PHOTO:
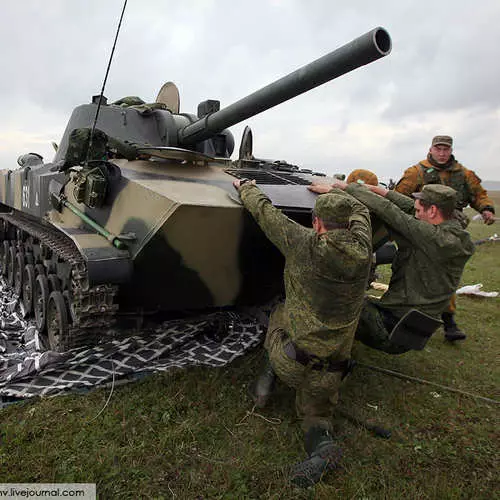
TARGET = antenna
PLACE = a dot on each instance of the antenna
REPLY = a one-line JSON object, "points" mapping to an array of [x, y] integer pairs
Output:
{"points": [[104, 84]]}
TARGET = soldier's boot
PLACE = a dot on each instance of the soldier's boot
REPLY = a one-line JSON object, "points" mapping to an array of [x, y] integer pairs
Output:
{"points": [[323, 455], [451, 330], [262, 387]]}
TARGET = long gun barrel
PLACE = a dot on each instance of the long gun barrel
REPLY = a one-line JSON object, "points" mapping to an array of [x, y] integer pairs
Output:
{"points": [[360, 51]]}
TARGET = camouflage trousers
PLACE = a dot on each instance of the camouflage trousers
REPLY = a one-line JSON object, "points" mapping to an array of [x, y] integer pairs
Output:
{"points": [[374, 328], [316, 391]]}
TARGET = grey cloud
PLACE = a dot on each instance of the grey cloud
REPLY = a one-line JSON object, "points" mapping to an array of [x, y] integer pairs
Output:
{"points": [[443, 65]]}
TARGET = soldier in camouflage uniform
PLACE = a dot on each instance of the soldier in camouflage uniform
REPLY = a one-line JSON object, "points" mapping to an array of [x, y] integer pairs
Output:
{"points": [[432, 251], [310, 335], [440, 167], [383, 249]]}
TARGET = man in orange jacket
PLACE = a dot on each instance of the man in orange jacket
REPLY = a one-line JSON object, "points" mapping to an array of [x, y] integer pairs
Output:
{"points": [[440, 167]]}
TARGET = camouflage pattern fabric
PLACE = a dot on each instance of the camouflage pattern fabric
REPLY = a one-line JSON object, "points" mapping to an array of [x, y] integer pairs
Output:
{"points": [[334, 208], [130, 100], [140, 105], [444, 197], [464, 181], [325, 278], [146, 109], [430, 258], [380, 234], [379, 231], [78, 145], [101, 146], [316, 391], [462, 218], [123, 149], [325, 275]]}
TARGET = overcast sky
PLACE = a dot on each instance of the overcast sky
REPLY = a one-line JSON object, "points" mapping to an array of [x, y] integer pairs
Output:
{"points": [[442, 76]]}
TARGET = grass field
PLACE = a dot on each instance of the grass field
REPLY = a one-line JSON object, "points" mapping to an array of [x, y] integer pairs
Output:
{"points": [[192, 434]]}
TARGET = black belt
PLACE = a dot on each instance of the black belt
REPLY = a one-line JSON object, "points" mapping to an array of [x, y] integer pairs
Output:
{"points": [[315, 363]]}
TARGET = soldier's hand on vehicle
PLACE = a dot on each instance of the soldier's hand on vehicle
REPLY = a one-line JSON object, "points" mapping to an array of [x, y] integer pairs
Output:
{"points": [[488, 216], [239, 182], [340, 185], [320, 188], [380, 190]]}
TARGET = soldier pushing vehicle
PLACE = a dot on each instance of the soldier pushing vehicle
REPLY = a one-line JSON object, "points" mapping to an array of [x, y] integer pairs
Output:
{"points": [[433, 249], [310, 335]]}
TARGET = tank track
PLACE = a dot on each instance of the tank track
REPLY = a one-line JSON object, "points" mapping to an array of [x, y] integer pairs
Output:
{"points": [[91, 310]]}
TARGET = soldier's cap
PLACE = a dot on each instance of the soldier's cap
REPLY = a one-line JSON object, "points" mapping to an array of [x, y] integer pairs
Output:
{"points": [[363, 177], [333, 207], [444, 197], [442, 140]]}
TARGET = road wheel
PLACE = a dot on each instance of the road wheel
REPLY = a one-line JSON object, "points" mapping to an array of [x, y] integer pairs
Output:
{"points": [[18, 274], [28, 288], [5, 257], [11, 265], [40, 301], [57, 321], [69, 305]]}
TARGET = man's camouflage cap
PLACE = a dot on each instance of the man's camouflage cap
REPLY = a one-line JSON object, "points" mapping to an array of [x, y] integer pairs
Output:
{"points": [[443, 140], [444, 197], [365, 176], [332, 207]]}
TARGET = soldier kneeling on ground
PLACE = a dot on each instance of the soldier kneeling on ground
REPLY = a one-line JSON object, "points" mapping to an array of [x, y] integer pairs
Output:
{"points": [[310, 335]]}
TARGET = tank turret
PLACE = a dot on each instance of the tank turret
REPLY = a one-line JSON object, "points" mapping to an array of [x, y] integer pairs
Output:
{"points": [[155, 125]]}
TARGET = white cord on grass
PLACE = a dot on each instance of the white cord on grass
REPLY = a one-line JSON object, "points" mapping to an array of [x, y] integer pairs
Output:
{"points": [[110, 394]]}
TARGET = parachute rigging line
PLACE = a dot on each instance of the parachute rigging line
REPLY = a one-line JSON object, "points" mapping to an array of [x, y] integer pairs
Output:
{"points": [[403, 376], [104, 83]]}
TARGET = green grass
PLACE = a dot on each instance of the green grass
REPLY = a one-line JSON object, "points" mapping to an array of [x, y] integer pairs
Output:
{"points": [[192, 434]]}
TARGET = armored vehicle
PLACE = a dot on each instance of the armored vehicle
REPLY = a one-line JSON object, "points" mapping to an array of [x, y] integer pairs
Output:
{"points": [[137, 211]]}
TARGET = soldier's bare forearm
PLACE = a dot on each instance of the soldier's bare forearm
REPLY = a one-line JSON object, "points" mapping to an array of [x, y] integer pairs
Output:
{"points": [[380, 190]]}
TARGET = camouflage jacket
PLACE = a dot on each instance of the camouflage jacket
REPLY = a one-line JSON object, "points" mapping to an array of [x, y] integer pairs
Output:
{"points": [[325, 275], [464, 181], [430, 258]]}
